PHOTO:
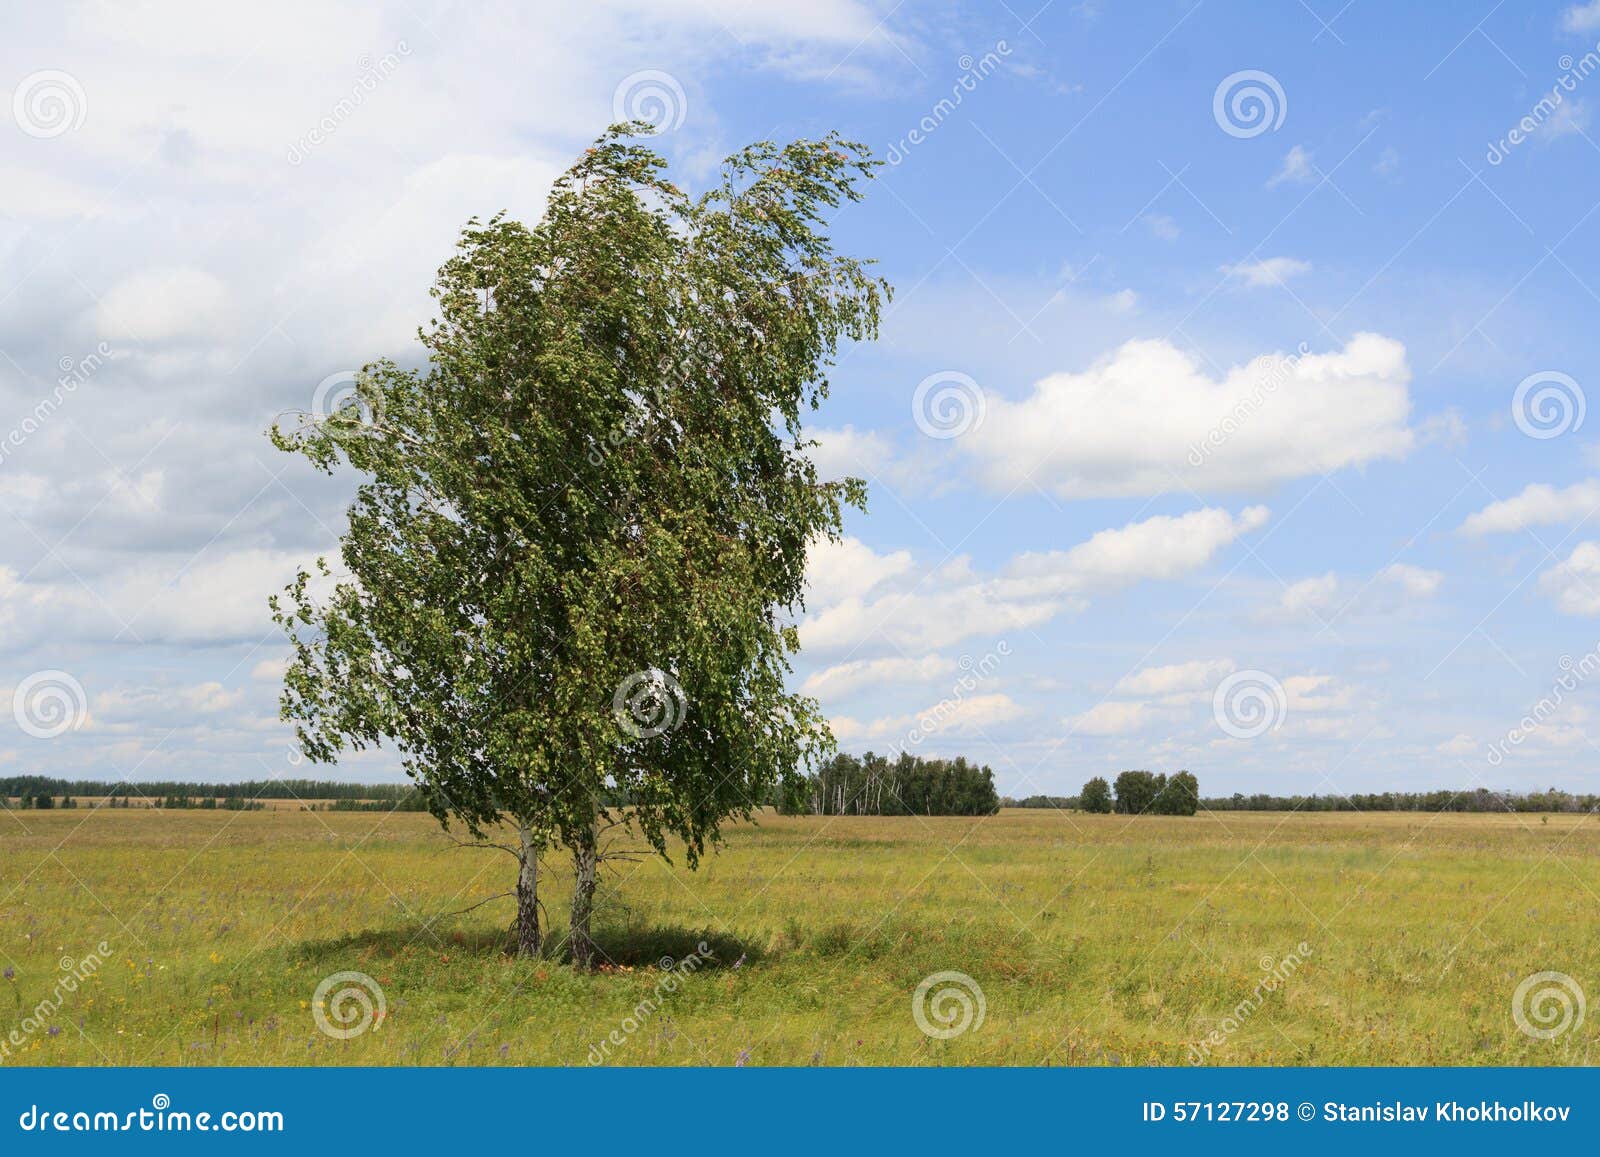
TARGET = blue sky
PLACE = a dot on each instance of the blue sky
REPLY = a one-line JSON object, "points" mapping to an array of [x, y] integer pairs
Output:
{"points": [[1100, 260]]}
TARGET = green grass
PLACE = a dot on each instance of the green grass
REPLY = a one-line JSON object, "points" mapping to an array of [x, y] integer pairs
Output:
{"points": [[1095, 940]]}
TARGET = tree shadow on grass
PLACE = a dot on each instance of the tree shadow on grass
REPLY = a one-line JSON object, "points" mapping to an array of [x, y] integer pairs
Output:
{"points": [[637, 945], [623, 945]]}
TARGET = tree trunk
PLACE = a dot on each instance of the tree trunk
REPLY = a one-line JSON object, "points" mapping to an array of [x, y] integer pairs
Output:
{"points": [[586, 863], [528, 894]]}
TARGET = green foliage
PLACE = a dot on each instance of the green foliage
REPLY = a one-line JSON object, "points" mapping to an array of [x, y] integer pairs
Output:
{"points": [[907, 785], [1180, 796], [1137, 791], [574, 559], [1096, 796]]}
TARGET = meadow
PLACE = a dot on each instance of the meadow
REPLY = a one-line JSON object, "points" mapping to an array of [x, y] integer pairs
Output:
{"points": [[1244, 938]]}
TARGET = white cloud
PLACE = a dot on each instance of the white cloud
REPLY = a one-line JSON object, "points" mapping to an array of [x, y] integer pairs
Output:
{"points": [[1460, 744], [1296, 168], [1162, 547], [1147, 419], [856, 674], [964, 716], [1318, 693], [1112, 717], [1582, 18], [1177, 678], [1162, 227], [1575, 583], [860, 597], [1397, 586], [158, 305], [1537, 505], [1416, 581], [844, 570], [1268, 271]]}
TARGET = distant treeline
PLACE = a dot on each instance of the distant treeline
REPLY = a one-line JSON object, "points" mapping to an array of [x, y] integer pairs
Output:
{"points": [[874, 785], [37, 791], [1478, 800]]}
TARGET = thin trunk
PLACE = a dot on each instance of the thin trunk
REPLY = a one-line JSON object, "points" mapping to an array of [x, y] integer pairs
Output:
{"points": [[528, 894], [586, 864]]}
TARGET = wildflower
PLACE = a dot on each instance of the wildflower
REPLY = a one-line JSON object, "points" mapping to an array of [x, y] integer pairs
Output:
{"points": [[10, 973]]}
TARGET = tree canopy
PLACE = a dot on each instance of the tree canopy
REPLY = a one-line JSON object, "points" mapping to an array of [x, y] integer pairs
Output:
{"points": [[578, 546]]}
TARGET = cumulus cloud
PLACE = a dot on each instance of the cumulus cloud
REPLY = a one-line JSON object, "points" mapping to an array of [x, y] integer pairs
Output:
{"points": [[1582, 18], [1575, 583], [953, 717], [858, 597], [1537, 505], [1177, 679], [1112, 717], [1147, 419], [1296, 169], [1267, 271], [843, 678], [1396, 586]]}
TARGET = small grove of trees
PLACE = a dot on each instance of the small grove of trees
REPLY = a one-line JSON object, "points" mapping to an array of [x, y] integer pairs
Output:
{"points": [[1146, 793], [1096, 796], [874, 785]]}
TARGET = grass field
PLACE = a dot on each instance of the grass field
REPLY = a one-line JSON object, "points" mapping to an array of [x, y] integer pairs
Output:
{"points": [[1094, 940]]}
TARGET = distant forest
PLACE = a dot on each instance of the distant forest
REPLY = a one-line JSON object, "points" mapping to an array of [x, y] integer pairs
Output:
{"points": [[1476, 800], [847, 785]]}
